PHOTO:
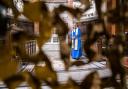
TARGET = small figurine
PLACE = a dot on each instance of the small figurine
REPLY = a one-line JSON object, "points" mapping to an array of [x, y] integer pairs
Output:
{"points": [[76, 50]]}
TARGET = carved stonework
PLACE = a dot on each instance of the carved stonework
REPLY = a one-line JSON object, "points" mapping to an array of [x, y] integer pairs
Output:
{"points": [[19, 5]]}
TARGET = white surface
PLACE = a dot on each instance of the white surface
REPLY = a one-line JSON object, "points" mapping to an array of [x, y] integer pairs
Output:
{"points": [[75, 72]]}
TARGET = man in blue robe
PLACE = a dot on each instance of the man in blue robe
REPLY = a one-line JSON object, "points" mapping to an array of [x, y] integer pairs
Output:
{"points": [[76, 50]]}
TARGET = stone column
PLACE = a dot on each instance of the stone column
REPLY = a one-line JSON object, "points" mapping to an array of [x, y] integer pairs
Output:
{"points": [[36, 28]]}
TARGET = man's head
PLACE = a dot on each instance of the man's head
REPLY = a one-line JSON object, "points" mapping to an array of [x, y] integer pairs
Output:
{"points": [[76, 25]]}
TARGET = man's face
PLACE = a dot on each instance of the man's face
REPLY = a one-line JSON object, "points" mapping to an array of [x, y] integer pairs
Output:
{"points": [[75, 26]]}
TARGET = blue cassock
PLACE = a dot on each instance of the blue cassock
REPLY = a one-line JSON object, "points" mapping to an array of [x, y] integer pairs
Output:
{"points": [[76, 51]]}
